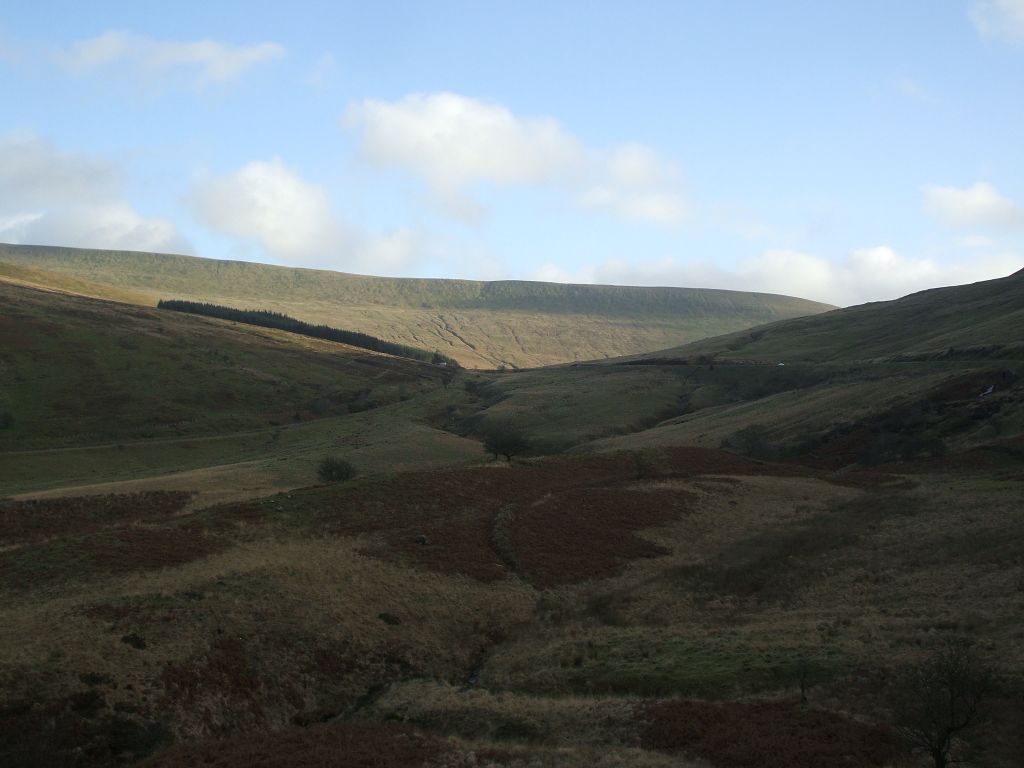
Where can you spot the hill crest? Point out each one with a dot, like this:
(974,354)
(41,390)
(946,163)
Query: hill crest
(975,321)
(511,323)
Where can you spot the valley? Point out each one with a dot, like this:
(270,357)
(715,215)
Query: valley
(722,554)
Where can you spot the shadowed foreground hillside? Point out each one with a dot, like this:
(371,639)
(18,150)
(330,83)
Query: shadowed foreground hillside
(82,371)
(481,324)
(95,392)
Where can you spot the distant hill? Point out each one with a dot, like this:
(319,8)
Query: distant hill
(983,320)
(481,324)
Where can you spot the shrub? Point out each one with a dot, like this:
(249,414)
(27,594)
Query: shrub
(333,470)
(505,440)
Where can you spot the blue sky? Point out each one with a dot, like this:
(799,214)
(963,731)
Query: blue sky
(842,151)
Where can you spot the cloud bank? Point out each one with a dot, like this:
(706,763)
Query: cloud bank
(866,274)
(980,204)
(267,204)
(455,143)
(58,198)
(207,61)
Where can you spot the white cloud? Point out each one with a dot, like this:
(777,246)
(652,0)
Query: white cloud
(638,185)
(1001,19)
(455,143)
(210,61)
(58,198)
(268,204)
(33,173)
(113,225)
(980,204)
(635,165)
(866,274)
(552,273)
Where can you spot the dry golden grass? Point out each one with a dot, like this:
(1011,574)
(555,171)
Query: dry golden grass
(208,486)
(480,324)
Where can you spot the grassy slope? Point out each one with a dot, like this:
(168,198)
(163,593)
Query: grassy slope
(110,397)
(606,405)
(844,370)
(981,320)
(484,324)
(87,371)
(101,392)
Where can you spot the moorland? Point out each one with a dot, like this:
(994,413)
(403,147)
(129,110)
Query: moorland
(726,545)
(507,323)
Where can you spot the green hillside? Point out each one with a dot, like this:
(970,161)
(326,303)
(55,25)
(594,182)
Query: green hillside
(97,392)
(850,379)
(980,320)
(481,324)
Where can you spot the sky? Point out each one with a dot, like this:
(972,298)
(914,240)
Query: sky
(847,151)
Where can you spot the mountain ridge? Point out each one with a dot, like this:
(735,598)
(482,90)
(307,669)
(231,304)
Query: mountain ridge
(511,323)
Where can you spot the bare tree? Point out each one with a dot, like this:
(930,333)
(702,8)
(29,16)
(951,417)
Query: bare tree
(941,700)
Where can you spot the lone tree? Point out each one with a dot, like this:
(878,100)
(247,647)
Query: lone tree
(332,469)
(941,700)
(505,440)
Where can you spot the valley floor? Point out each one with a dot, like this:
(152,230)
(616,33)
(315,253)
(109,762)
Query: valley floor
(636,608)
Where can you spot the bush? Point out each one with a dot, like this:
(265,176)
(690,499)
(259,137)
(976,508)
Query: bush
(333,470)
(505,440)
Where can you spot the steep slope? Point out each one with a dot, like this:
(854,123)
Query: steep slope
(877,382)
(482,324)
(980,320)
(84,370)
(94,393)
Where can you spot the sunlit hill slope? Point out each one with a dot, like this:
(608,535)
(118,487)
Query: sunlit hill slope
(481,324)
